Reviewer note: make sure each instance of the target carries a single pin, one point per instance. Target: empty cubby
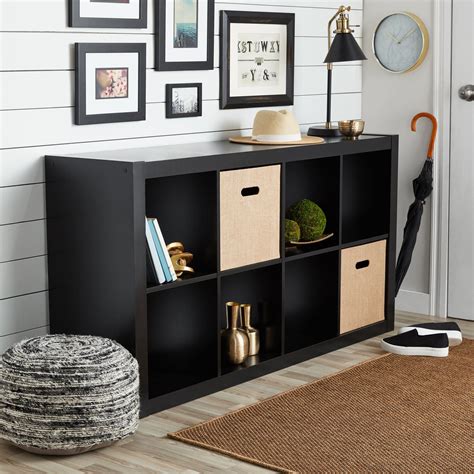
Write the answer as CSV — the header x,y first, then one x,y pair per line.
x,y
311,300
365,195
182,337
186,209
317,180
262,289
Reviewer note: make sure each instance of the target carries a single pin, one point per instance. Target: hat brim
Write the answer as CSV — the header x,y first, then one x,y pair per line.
x,y
305,140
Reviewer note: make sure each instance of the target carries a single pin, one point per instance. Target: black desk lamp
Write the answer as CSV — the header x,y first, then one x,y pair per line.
x,y
343,48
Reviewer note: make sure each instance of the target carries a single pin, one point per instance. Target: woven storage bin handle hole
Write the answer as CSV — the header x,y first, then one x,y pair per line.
x,y
362,264
250,191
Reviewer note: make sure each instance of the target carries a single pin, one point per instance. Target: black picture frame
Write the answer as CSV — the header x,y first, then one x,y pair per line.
x,y
81,51
169,100
160,41
227,18
77,21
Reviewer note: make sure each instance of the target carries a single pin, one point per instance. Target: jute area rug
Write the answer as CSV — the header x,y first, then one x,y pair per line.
x,y
390,414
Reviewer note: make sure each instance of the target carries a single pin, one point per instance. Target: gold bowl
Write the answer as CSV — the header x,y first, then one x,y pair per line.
x,y
351,129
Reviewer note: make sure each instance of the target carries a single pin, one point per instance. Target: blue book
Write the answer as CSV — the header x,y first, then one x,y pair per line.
x,y
161,254
165,250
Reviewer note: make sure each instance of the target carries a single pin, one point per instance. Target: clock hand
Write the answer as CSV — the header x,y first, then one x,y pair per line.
x,y
393,37
408,34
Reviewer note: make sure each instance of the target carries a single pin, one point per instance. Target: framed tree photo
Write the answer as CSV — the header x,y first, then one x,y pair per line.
x,y
256,59
183,100
110,82
108,13
185,37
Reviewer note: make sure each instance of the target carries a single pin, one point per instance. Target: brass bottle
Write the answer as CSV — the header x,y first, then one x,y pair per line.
x,y
252,333
235,342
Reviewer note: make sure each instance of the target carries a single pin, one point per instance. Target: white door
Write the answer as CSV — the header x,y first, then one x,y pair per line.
x,y
461,202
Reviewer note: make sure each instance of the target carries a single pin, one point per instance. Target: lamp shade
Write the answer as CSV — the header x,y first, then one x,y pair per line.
x,y
344,48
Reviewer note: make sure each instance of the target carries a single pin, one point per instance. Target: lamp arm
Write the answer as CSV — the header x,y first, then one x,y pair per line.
x,y
340,10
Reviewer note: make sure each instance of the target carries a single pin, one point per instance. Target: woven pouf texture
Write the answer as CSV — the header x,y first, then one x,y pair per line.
x,y
64,394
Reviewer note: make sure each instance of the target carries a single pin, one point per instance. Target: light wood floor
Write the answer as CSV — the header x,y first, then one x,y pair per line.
x,y
150,451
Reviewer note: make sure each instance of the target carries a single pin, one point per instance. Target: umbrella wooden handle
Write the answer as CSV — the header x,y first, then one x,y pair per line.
x,y
434,130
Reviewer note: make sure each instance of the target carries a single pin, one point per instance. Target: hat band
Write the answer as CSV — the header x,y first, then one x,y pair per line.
x,y
295,137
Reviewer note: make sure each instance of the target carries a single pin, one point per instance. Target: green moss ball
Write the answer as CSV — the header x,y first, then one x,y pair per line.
x,y
292,231
310,217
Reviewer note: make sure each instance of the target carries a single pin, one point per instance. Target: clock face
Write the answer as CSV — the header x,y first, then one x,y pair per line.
x,y
399,43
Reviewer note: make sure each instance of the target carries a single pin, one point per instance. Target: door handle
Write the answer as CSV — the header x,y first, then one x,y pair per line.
x,y
466,92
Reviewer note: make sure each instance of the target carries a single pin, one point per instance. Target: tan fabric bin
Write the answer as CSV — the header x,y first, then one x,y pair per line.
x,y
362,285
249,216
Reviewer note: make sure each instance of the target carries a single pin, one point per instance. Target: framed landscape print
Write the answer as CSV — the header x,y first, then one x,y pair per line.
x,y
183,100
110,82
185,37
108,13
256,59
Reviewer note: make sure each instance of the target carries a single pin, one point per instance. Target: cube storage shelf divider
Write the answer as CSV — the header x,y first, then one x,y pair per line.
x,y
96,208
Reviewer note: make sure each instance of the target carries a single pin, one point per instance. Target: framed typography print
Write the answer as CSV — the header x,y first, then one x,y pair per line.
x,y
183,100
108,13
110,82
256,59
185,37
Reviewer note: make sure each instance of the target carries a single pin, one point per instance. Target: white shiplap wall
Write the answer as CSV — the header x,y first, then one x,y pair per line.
x,y
36,118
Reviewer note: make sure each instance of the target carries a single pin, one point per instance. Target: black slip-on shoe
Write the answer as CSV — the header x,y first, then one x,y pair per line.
x,y
411,343
452,330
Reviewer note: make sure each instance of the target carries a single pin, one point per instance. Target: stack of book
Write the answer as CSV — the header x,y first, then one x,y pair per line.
x,y
160,269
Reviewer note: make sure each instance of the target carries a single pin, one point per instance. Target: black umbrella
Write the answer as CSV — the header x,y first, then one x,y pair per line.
x,y
422,187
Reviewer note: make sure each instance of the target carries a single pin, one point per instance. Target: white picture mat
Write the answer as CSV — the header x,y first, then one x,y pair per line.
x,y
88,9
256,30
173,54
188,95
110,61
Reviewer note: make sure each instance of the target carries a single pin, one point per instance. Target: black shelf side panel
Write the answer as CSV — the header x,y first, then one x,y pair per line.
x,y
96,278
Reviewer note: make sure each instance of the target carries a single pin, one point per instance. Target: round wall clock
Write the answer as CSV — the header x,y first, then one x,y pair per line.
x,y
400,42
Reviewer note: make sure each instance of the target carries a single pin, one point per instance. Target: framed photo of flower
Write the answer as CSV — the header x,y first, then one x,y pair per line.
x,y
185,37
110,82
108,13
183,100
256,59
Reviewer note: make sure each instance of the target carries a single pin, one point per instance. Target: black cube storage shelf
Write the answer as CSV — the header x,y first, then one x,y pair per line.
x,y
96,207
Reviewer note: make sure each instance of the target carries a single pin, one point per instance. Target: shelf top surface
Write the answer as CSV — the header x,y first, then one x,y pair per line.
x,y
213,148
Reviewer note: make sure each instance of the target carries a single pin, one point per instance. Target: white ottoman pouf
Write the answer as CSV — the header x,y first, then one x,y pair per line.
x,y
67,394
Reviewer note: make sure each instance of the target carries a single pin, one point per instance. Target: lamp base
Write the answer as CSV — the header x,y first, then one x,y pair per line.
x,y
324,132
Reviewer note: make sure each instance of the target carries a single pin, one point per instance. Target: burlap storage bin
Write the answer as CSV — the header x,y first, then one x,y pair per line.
x,y
249,216
362,285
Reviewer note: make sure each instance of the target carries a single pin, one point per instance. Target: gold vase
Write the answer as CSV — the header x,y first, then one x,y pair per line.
x,y
252,333
235,342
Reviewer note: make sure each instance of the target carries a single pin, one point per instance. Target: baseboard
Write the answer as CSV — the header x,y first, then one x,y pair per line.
x,y
413,302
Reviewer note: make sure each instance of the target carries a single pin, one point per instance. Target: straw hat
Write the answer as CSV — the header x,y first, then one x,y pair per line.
x,y
272,127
